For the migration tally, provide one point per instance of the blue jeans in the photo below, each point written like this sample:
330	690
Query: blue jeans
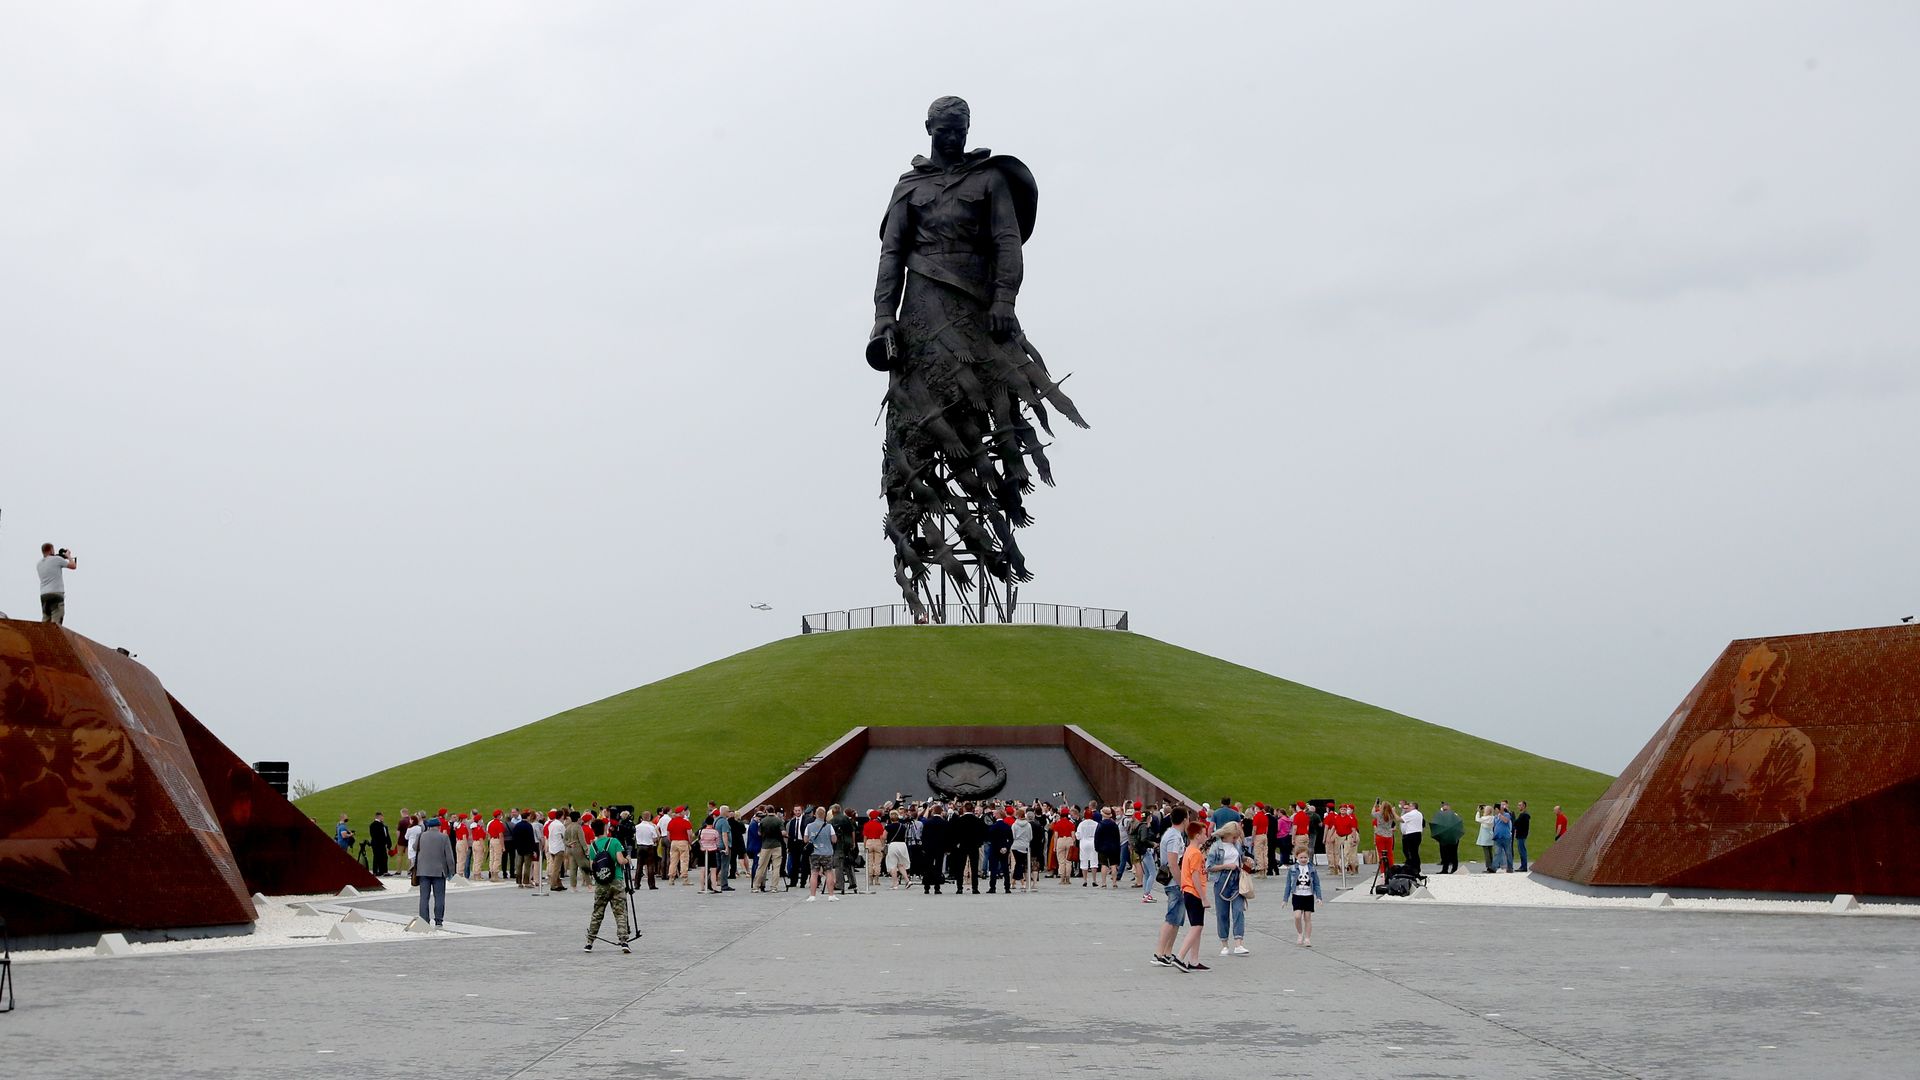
1503	853
1176	905
1149	866
997	870
1520	842
1228	914
435	887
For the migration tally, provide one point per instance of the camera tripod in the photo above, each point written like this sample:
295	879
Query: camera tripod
631	885
6	968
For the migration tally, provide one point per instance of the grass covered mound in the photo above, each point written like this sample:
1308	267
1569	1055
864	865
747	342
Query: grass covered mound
727	730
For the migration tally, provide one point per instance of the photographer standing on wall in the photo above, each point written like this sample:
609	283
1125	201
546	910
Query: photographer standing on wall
53	584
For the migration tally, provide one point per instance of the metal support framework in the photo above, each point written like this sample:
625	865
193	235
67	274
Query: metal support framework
993	599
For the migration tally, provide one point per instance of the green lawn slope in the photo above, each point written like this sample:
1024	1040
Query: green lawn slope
727	730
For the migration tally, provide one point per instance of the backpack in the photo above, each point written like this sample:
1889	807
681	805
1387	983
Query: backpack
1399	886
1143	839
604	865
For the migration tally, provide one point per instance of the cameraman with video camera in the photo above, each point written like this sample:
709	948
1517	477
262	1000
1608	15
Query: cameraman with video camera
53	584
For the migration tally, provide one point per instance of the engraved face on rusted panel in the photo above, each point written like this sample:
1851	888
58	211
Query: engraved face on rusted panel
96	781
66	772
1758	766
1763	778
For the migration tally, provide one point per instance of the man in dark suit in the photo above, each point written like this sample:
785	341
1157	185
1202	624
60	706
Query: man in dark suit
999	844
965	835
1522	825
381	839
797	846
933	844
523	839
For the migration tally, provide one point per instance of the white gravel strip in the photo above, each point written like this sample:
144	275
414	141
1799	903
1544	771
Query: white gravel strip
279	926
1524	890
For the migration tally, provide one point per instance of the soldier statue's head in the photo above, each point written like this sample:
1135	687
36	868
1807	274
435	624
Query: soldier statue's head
947	121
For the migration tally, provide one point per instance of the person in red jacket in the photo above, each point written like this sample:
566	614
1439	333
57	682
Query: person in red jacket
1302	830
476	845
1559	823
1062	829
1346	839
679	846
496	847
1261	821
873	834
462	847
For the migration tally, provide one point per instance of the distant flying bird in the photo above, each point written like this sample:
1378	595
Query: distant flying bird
761	607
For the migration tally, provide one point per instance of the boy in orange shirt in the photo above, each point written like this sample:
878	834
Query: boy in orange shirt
1194	891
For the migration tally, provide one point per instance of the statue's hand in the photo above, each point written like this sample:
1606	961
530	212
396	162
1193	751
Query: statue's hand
1002	323
880	326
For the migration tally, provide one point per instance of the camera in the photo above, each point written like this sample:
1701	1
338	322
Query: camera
64	553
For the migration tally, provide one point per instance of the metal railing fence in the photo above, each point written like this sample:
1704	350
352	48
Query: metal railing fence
1023	614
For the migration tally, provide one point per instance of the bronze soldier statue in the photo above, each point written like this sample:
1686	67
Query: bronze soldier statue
965	387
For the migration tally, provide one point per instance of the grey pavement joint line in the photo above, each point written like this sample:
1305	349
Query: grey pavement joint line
1482	1017
656	987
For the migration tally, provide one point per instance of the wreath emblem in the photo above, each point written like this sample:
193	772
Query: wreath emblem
967	774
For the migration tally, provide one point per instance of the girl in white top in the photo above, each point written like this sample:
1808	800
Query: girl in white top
1303	886
1089	858
898	858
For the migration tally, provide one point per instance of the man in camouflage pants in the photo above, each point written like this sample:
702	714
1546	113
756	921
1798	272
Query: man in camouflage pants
611	891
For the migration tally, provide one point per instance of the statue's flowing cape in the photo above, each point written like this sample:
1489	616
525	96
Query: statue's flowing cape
1026	193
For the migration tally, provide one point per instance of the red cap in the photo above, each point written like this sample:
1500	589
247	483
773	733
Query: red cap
1136	804
443	811
873	814
497	813
679	809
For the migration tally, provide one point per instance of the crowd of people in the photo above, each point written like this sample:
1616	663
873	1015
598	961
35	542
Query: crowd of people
1213	859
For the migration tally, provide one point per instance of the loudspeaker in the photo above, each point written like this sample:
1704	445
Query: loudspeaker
274	773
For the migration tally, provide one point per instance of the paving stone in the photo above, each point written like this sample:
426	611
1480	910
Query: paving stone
1054	985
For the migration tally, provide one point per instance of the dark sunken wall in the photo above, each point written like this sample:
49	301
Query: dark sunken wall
1033	772
1112	777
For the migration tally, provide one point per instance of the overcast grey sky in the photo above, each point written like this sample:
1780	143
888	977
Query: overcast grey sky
405	373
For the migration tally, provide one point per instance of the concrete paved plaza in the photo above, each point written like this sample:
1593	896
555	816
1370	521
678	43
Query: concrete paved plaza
1052	985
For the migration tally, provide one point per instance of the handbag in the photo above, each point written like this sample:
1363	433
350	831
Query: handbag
1246	884
1163	876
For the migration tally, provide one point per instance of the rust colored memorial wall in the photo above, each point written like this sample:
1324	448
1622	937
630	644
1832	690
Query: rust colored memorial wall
1793	766
1115	777
821	778
279	849
106	821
